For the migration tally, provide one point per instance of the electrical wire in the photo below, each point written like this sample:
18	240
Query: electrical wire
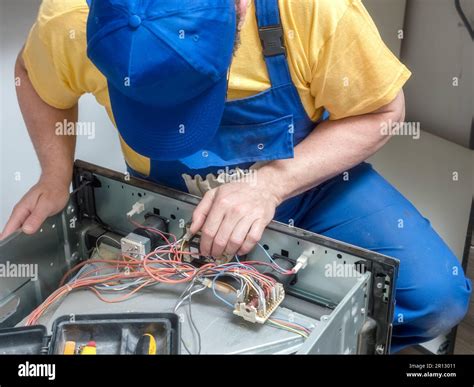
287	327
84	184
127	276
465	20
193	326
283	271
291	324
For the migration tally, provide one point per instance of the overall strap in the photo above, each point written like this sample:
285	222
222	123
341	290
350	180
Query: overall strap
89	2
271	35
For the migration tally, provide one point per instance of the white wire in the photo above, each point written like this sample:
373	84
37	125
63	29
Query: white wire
178	305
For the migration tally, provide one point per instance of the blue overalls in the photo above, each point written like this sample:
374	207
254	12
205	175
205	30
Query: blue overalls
364	210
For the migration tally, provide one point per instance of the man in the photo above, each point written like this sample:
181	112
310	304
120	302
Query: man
200	87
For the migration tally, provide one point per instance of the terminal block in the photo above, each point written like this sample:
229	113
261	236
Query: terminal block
250	308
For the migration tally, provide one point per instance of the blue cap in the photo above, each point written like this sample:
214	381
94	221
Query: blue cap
166	64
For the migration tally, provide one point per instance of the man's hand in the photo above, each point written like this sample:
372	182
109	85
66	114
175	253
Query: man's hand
55	154
46	198
232	217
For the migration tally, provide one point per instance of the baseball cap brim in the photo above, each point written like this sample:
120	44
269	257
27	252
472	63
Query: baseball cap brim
172	132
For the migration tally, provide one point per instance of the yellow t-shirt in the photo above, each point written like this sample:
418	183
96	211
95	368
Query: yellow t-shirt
336	57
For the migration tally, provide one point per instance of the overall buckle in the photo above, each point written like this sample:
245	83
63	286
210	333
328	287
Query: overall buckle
272	40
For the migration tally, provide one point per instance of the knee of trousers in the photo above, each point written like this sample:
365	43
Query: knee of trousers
432	307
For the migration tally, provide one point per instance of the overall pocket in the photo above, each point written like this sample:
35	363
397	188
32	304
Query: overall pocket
237	144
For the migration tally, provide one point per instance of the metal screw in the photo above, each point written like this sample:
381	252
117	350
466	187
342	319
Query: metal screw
379	349
205	154
70	210
362	311
379	285
260	146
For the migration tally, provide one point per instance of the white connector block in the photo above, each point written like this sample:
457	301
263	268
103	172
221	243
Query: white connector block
301	263
137	209
261	314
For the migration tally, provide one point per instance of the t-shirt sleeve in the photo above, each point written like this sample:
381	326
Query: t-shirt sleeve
52	54
353	71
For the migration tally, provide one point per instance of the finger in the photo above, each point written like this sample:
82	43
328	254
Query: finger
253	236
201	211
237	238
226	228
211	226
220	207
41	211
17	218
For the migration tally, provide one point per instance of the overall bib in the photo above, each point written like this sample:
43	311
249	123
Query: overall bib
364	210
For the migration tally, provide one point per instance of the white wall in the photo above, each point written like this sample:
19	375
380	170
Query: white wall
437	49
389	15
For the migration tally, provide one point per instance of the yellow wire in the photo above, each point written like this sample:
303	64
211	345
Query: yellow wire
288	328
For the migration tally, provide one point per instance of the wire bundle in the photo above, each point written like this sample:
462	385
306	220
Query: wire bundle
129	275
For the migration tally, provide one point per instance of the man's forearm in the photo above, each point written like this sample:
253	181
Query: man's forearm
55	152
334	147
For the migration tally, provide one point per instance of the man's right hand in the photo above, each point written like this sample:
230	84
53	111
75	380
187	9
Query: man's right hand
46	198
55	154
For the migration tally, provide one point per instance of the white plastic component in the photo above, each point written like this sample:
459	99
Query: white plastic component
135	246
207	282
221	288
187	236
137	209
261	314
301	263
